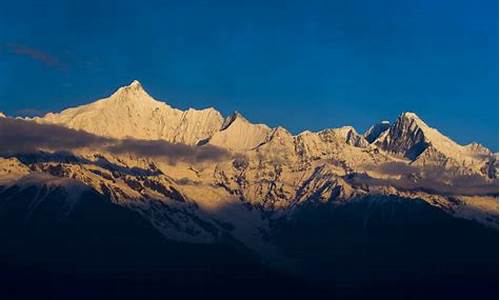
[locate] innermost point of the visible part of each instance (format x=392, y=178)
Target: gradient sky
x=299, y=64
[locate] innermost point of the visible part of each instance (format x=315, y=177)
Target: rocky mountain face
x=266, y=183
x=414, y=140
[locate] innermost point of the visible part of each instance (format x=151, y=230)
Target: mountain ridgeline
x=129, y=197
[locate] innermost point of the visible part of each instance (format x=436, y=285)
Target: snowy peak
x=352, y=137
x=196, y=126
x=132, y=92
x=235, y=116
x=410, y=120
x=279, y=145
x=281, y=136
x=132, y=112
x=135, y=84
x=238, y=134
x=424, y=133
x=343, y=135
x=410, y=137
x=410, y=116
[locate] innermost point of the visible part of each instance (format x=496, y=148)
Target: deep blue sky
x=299, y=64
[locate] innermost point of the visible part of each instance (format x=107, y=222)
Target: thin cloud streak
x=434, y=179
x=38, y=55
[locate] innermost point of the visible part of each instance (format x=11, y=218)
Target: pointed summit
x=410, y=115
x=344, y=134
x=132, y=92
x=132, y=112
x=232, y=118
x=135, y=84
x=407, y=137
x=411, y=137
x=237, y=133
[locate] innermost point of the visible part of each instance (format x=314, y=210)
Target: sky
x=298, y=64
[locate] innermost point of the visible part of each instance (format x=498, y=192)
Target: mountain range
x=356, y=209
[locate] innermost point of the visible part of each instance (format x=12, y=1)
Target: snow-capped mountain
x=275, y=170
x=131, y=112
x=267, y=179
x=413, y=139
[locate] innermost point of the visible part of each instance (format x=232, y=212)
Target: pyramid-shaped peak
x=237, y=115
x=232, y=118
x=411, y=119
x=135, y=84
x=410, y=116
x=281, y=131
x=410, y=136
x=132, y=92
x=346, y=128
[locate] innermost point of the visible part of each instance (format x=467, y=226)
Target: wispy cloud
x=38, y=55
x=171, y=152
x=24, y=137
x=434, y=179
